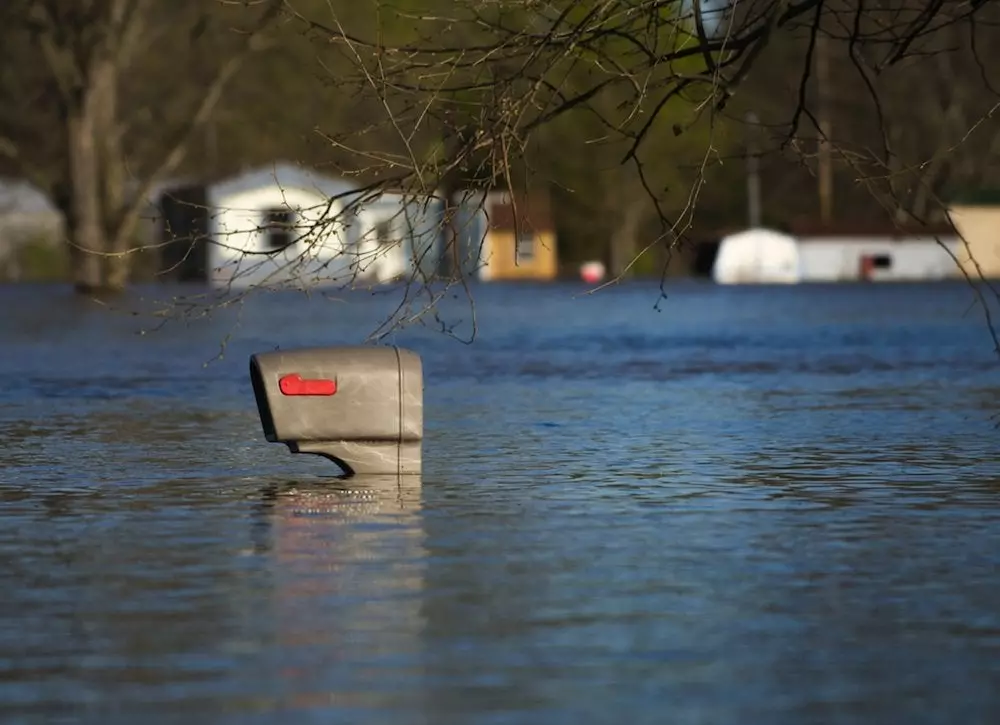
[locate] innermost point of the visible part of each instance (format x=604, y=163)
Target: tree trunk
x=98, y=243
x=118, y=235
x=84, y=227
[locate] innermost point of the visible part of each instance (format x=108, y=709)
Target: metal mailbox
x=361, y=407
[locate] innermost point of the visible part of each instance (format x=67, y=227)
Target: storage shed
x=504, y=236
x=757, y=256
x=399, y=237
x=288, y=226
x=844, y=254
x=874, y=253
x=976, y=216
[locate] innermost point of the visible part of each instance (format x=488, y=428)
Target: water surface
x=760, y=505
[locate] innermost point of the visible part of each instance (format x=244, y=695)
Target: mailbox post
x=361, y=407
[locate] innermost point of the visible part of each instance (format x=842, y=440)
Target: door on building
x=184, y=234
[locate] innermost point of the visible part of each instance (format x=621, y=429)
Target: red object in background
x=294, y=385
x=592, y=272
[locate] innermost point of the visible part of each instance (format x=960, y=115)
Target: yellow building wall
x=979, y=227
x=502, y=264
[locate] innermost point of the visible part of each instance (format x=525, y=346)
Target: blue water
x=755, y=505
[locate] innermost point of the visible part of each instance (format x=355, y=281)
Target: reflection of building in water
x=348, y=576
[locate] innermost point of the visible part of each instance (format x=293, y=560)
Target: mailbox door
x=329, y=394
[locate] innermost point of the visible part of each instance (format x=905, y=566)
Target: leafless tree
x=644, y=71
x=472, y=94
x=83, y=54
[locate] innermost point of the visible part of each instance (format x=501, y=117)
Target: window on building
x=881, y=261
x=278, y=229
x=525, y=247
x=383, y=233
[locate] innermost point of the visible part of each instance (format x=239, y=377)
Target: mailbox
x=361, y=407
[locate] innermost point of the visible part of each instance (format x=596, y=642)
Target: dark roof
x=809, y=228
x=978, y=197
x=533, y=212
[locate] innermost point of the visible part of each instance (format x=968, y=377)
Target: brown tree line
x=629, y=112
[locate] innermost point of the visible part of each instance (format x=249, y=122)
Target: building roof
x=532, y=212
x=977, y=197
x=19, y=196
x=282, y=174
x=761, y=235
x=809, y=229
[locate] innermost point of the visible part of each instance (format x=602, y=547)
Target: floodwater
x=759, y=505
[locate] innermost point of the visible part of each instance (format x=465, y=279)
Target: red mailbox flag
x=294, y=385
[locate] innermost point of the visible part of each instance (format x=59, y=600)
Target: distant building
x=288, y=226
x=977, y=218
x=757, y=256
x=398, y=236
x=507, y=237
x=27, y=219
x=26, y=213
x=839, y=254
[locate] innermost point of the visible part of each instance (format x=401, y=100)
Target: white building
x=276, y=225
x=762, y=256
x=757, y=256
x=398, y=236
x=287, y=226
x=26, y=215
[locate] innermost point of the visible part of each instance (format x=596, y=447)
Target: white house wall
x=424, y=234
x=471, y=225
x=757, y=256
x=415, y=237
x=832, y=259
x=374, y=261
x=238, y=255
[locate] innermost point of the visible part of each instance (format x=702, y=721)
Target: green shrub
x=44, y=260
x=41, y=260
x=648, y=264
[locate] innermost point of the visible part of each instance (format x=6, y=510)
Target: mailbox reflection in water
x=353, y=550
x=361, y=407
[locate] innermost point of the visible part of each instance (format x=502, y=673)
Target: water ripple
x=760, y=505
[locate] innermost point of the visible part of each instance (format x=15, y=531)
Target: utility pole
x=825, y=128
x=753, y=170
